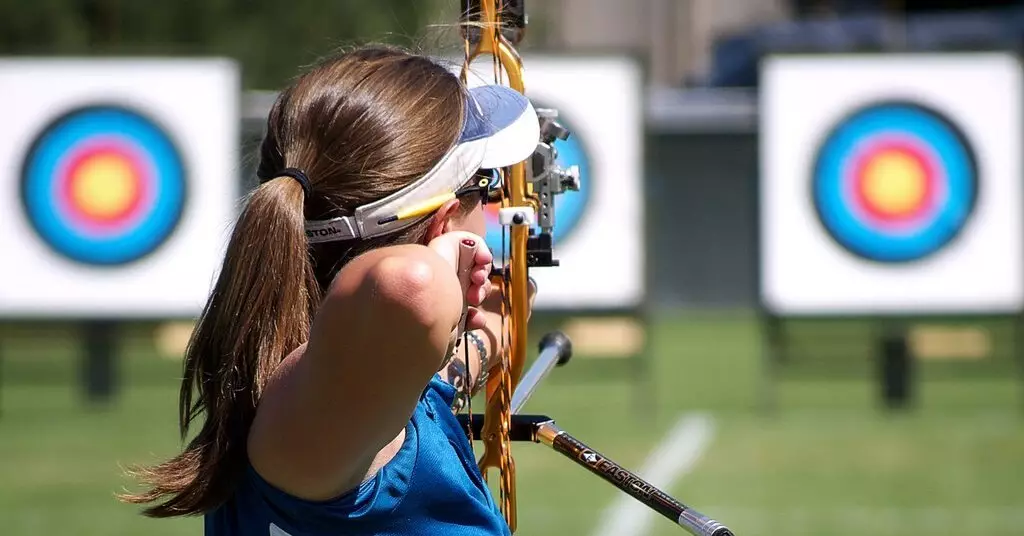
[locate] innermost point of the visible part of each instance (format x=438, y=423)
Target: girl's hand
x=467, y=252
x=492, y=303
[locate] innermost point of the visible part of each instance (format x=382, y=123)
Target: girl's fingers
x=481, y=274
x=476, y=293
x=475, y=319
x=468, y=253
x=483, y=253
x=484, y=257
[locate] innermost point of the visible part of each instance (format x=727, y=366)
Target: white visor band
x=500, y=129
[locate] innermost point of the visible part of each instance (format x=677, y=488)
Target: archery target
x=891, y=184
x=118, y=185
x=598, y=235
x=569, y=207
x=103, y=185
x=895, y=182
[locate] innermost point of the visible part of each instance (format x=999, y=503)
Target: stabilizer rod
x=542, y=429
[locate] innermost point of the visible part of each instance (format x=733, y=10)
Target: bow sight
x=548, y=180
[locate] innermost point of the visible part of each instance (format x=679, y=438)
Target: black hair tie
x=295, y=173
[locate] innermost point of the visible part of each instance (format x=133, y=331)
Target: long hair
x=361, y=125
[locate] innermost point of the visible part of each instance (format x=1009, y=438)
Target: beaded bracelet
x=481, y=347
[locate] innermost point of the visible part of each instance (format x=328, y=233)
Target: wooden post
x=896, y=369
x=99, y=360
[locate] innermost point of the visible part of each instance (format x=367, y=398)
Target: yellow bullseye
x=104, y=186
x=894, y=183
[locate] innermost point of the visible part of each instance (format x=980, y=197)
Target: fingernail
x=468, y=242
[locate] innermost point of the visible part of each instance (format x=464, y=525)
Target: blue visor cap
x=506, y=120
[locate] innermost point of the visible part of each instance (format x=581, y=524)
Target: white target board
x=891, y=184
x=598, y=234
x=118, y=185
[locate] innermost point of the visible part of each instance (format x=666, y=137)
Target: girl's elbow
x=414, y=289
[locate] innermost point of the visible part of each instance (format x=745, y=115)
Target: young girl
x=324, y=366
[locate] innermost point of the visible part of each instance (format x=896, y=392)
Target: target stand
x=890, y=194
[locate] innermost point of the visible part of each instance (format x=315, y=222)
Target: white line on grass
x=677, y=454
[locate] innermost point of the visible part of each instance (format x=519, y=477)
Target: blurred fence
x=701, y=185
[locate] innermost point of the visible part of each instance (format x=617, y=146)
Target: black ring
x=295, y=173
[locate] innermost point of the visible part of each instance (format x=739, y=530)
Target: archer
x=353, y=313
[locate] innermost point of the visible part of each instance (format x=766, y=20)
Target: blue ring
x=570, y=207
x=40, y=172
x=956, y=168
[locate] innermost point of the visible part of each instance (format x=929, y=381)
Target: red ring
x=91, y=223
x=866, y=207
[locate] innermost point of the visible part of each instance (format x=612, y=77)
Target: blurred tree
x=271, y=38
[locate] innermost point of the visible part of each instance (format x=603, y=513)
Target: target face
x=569, y=206
x=895, y=182
x=103, y=185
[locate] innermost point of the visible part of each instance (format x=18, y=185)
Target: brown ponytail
x=260, y=310
x=361, y=126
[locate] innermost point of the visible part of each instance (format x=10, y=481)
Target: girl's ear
x=441, y=221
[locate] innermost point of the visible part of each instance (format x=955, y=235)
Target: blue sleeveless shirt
x=432, y=486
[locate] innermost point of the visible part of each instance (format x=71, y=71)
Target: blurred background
x=794, y=274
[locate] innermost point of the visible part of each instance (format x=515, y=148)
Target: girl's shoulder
x=378, y=337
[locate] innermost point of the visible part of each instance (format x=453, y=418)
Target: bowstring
x=469, y=398
x=505, y=382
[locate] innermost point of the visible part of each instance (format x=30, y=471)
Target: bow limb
x=514, y=279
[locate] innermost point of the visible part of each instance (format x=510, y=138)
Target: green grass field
x=826, y=462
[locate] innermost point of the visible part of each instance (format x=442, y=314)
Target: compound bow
x=493, y=28
x=482, y=35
